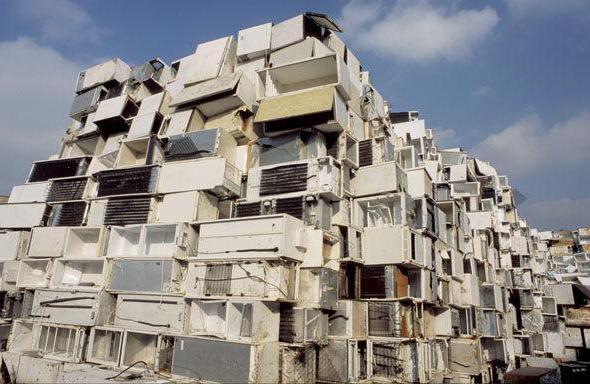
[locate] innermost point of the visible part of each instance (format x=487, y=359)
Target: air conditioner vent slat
x=284, y=179
x=365, y=152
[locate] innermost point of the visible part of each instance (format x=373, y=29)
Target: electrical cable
x=126, y=369
x=65, y=299
x=144, y=322
x=274, y=249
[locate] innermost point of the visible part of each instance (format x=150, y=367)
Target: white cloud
x=563, y=213
x=522, y=8
x=35, y=97
x=60, y=20
x=445, y=137
x=484, y=92
x=527, y=147
x=417, y=30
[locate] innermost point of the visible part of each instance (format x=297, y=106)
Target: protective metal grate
x=67, y=214
x=193, y=145
x=52, y=169
x=124, y=211
x=247, y=209
x=283, y=179
x=287, y=332
x=384, y=319
x=218, y=279
x=292, y=206
x=387, y=360
x=69, y=189
x=365, y=152
x=127, y=181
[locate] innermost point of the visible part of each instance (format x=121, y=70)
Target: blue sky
x=508, y=79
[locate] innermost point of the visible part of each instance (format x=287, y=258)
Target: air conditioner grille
x=247, y=209
x=69, y=189
x=127, y=181
x=283, y=179
x=124, y=211
x=292, y=206
x=365, y=152
x=218, y=279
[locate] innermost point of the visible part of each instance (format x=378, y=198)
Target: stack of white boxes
x=254, y=212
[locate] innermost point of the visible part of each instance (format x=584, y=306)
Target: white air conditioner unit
x=254, y=42
x=307, y=74
x=59, y=342
x=321, y=176
x=164, y=313
x=251, y=280
x=9, y=275
x=141, y=151
x=213, y=174
x=152, y=275
x=152, y=240
x=270, y=237
x=346, y=361
x=13, y=244
x=30, y=193
x=86, y=102
x=241, y=320
x=294, y=146
x=389, y=360
x=375, y=151
x=218, y=95
x=253, y=362
x=298, y=364
x=104, y=346
x=187, y=207
x=78, y=273
x=34, y=273
x=149, y=119
x=25, y=215
x=113, y=114
x=394, y=209
x=85, y=242
x=465, y=189
x=322, y=108
x=84, y=308
x=311, y=209
x=115, y=70
x=303, y=325
x=322, y=248
x=47, y=241
x=392, y=245
x=139, y=346
x=378, y=179
x=318, y=288
x=349, y=319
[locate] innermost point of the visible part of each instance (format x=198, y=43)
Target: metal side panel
x=29, y=193
x=22, y=215
x=140, y=275
x=150, y=312
x=211, y=360
x=69, y=307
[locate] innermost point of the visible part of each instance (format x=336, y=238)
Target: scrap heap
x=256, y=212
